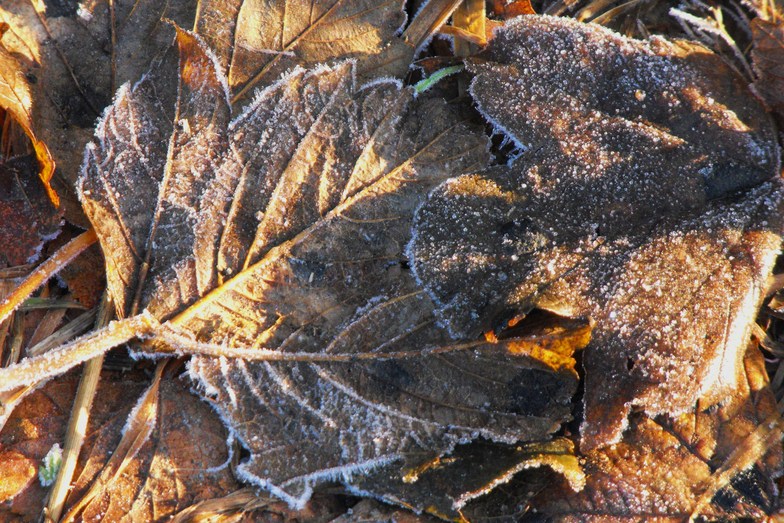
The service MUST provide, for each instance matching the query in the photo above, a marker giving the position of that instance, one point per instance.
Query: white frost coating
(382, 80)
(497, 127)
(404, 23)
(44, 239)
(152, 420)
(264, 95)
(100, 130)
(215, 65)
(343, 474)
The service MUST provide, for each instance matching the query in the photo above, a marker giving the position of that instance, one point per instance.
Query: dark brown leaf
(76, 55)
(645, 199)
(285, 228)
(768, 60)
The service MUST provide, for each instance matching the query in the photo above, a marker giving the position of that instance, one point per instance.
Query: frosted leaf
(258, 40)
(285, 228)
(646, 200)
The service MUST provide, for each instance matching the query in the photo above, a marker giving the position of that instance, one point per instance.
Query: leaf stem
(60, 360)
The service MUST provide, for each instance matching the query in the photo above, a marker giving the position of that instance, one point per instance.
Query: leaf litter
(271, 243)
(313, 238)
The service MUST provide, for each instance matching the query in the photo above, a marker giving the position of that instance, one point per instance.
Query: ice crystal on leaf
(647, 199)
(285, 228)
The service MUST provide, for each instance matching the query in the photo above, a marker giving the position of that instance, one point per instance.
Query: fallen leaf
(444, 486)
(768, 60)
(15, 98)
(183, 461)
(645, 198)
(285, 229)
(33, 427)
(663, 465)
(371, 510)
(26, 213)
(256, 41)
(75, 55)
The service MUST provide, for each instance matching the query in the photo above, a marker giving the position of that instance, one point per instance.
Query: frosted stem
(46, 270)
(58, 361)
(174, 341)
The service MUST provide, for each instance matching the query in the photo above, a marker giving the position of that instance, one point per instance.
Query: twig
(46, 270)
(77, 426)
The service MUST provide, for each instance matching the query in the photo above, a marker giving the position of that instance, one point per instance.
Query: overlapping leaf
(665, 467)
(258, 40)
(643, 200)
(285, 228)
(76, 55)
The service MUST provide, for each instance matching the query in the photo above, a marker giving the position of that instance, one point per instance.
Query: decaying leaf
(285, 228)
(768, 59)
(27, 215)
(644, 199)
(15, 99)
(185, 460)
(663, 465)
(257, 40)
(76, 55)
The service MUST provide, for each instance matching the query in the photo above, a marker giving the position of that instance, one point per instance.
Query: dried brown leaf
(16, 99)
(257, 40)
(75, 56)
(768, 60)
(183, 460)
(286, 229)
(646, 199)
(663, 466)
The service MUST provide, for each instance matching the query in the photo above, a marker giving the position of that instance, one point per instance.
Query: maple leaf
(285, 229)
(644, 199)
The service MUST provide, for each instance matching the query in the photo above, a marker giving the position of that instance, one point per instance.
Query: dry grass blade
(432, 16)
(46, 270)
(140, 425)
(220, 509)
(756, 445)
(77, 426)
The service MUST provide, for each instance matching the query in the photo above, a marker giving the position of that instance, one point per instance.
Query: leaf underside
(285, 228)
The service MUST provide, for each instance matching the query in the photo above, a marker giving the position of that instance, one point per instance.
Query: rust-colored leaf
(27, 217)
(663, 465)
(184, 460)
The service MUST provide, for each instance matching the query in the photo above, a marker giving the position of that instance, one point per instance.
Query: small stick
(77, 426)
(46, 270)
